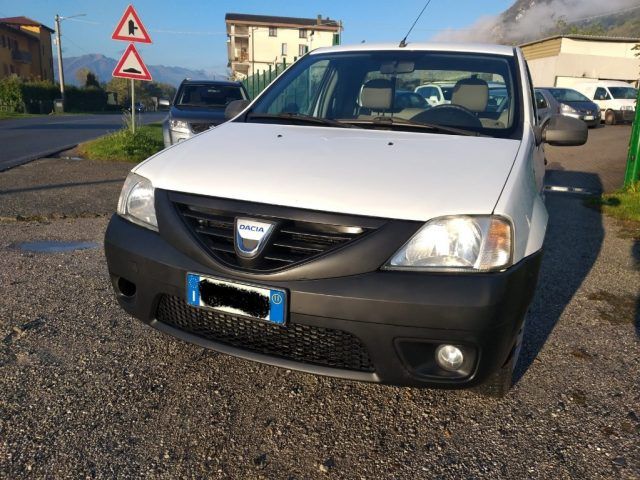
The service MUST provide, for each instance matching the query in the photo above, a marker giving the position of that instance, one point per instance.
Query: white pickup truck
(323, 228)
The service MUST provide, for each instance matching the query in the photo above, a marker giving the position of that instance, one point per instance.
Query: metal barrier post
(632, 174)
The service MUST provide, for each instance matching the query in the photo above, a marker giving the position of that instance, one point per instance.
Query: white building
(566, 60)
(256, 42)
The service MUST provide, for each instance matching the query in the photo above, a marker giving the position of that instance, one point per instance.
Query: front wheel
(500, 382)
(610, 117)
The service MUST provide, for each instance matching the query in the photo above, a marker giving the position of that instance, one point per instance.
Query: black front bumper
(399, 317)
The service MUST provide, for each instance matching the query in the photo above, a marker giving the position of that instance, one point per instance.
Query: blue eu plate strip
(276, 306)
(193, 289)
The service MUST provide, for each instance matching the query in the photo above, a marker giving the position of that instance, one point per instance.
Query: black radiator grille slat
(301, 343)
(293, 241)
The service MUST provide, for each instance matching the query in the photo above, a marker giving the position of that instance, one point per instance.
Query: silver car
(568, 102)
(198, 106)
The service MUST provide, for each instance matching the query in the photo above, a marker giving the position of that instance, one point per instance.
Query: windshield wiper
(298, 117)
(424, 126)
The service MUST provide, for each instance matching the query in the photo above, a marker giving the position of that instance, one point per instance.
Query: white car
(616, 99)
(323, 229)
(436, 93)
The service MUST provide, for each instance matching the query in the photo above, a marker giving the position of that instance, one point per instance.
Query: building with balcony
(25, 49)
(256, 42)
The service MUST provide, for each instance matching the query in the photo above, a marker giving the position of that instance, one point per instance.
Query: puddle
(47, 246)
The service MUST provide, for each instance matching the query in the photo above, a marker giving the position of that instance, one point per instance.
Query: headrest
(471, 93)
(377, 94)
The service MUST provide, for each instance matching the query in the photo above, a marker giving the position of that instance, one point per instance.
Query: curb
(35, 156)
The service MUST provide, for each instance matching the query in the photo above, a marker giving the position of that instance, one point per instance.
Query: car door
(603, 98)
(542, 107)
(538, 156)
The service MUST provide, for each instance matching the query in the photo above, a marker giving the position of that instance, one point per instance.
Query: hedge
(37, 97)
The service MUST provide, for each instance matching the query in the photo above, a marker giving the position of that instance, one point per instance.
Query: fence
(257, 82)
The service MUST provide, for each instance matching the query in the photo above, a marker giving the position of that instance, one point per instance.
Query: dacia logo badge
(251, 236)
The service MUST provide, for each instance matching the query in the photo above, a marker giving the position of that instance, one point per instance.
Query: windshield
(208, 95)
(363, 88)
(568, 95)
(622, 93)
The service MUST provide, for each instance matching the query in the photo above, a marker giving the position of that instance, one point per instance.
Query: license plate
(589, 117)
(261, 303)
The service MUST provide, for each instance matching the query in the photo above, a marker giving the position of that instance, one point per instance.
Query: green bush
(11, 94)
(16, 95)
(90, 99)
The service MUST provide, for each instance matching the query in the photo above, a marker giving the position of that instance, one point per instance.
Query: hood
(390, 174)
(195, 114)
(583, 106)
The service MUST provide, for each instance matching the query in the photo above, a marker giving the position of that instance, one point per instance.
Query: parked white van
(616, 99)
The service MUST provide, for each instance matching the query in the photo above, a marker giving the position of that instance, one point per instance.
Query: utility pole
(60, 69)
(58, 19)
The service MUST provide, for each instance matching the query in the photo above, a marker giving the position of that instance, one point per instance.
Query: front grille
(302, 343)
(292, 242)
(200, 127)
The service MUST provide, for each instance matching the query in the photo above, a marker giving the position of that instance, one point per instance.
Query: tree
(92, 81)
(81, 75)
(144, 90)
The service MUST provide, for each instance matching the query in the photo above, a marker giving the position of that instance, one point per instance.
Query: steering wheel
(452, 115)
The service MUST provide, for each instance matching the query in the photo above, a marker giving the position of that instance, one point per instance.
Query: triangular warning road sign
(131, 65)
(130, 28)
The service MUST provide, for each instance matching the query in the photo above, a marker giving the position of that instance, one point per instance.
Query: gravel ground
(86, 391)
(58, 188)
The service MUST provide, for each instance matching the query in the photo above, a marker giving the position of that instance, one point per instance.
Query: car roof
(187, 81)
(555, 88)
(431, 46)
(606, 83)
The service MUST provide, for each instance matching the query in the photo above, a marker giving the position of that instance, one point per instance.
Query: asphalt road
(596, 166)
(88, 392)
(25, 139)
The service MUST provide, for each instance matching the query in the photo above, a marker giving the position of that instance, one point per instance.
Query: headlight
(461, 243)
(137, 202)
(626, 107)
(180, 125)
(567, 108)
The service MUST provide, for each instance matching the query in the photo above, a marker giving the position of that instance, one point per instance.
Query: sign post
(133, 107)
(130, 29)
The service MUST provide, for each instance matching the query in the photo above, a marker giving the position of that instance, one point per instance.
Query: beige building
(256, 42)
(565, 60)
(25, 49)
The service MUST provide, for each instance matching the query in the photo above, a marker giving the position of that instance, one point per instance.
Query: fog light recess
(126, 288)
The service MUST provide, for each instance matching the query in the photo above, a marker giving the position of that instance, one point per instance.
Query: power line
(177, 32)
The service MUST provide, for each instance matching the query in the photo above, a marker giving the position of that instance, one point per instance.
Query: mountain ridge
(103, 67)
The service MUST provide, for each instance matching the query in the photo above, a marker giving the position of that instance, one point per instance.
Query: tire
(610, 117)
(500, 382)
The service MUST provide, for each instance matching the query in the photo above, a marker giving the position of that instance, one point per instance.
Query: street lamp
(58, 19)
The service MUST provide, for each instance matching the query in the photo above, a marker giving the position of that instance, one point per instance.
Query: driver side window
(541, 103)
(601, 94)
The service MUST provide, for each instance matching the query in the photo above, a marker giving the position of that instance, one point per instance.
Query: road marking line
(559, 188)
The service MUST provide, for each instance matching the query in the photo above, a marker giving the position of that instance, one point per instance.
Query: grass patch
(124, 146)
(623, 204)
(9, 115)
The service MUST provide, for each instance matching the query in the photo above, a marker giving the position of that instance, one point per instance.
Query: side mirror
(234, 108)
(163, 102)
(563, 131)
